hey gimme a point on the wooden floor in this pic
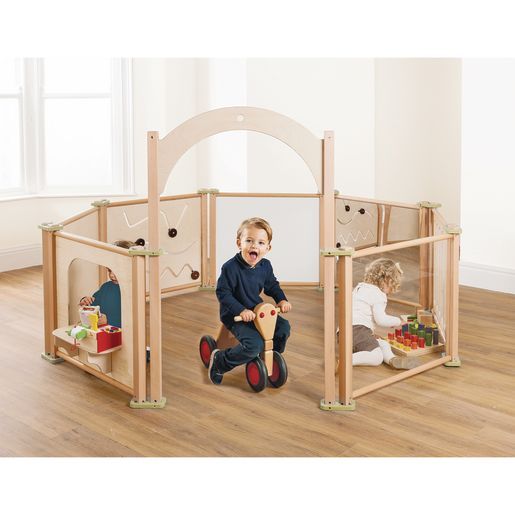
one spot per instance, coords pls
(58, 410)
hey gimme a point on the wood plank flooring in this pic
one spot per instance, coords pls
(58, 410)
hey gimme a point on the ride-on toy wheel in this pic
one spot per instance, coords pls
(279, 373)
(206, 346)
(256, 374)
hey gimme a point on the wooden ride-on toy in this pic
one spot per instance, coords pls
(270, 367)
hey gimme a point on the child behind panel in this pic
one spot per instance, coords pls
(107, 297)
(369, 298)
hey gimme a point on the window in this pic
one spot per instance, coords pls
(64, 127)
(11, 136)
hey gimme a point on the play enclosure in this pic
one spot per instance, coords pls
(186, 240)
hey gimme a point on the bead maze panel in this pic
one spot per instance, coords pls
(401, 224)
(179, 236)
(181, 239)
(357, 223)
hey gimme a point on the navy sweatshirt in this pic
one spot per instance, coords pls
(240, 285)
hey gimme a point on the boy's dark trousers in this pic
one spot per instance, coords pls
(250, 344)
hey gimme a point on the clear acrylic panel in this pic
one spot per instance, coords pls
(10, 163)
(9, 75)
(423, 291)
(77, 75)
(78, 142)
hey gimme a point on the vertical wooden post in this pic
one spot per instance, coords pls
(453, 256)
(212, 238)
(386, 224)
(424, 258)
(49, 288)
(345, 324)
(204, 234)
(380, 221)
(154, 270)
(102, 236)
(329, 268)
(426, 228)
(321, 259)
(138, 329)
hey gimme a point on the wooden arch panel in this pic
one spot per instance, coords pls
(296, 136)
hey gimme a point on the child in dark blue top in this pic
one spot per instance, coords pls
(238, 289)
(107, 297)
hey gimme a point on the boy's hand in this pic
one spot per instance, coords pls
(247, 315)
(86, 301)
(284, 306)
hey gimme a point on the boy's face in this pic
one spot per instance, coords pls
(254, 245)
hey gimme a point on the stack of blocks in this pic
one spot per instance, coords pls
(418, 335)
(98, 338)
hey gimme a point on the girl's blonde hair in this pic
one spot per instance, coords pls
(384, 272)
(255, 222)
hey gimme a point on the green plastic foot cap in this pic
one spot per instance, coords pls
(453, 363)
(51, 359)
(148, 404)
(337, 406)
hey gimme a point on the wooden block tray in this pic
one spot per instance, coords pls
(418, 352)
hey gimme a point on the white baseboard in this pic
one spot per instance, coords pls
(487, 277)
(20, 257)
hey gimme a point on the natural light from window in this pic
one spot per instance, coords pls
(64, 127)
(10, 127)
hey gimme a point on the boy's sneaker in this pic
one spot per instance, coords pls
(214, 375)
(404, 362)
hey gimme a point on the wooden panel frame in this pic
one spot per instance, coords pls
(49, 290)
(156, 365)
(345, 335)
(69, 248)
(328, 241)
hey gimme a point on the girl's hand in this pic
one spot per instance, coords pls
(86, 301)
(247, 315)
(284, 306)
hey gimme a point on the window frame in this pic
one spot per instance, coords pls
(32, 108)
(20, 190)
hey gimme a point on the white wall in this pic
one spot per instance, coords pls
(417, 132)
(222, 159)
(164, 95)
(397, 123)
(488, 174)
(321, 94)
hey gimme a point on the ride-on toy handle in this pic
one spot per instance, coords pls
(266, 318)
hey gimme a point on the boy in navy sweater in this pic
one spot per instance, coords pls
(241, 281)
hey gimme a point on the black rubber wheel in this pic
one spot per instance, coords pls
(206, 346)
(279, 373)
(256, 374)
